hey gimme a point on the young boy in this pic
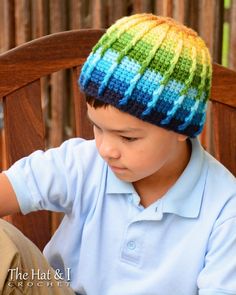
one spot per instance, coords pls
(147, 210)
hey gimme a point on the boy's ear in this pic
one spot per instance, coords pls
(182, 137)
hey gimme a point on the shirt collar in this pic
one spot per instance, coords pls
(184, 198)
(117, 186)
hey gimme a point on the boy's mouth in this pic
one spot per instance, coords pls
(117, 169)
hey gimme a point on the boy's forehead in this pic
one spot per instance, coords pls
(112, 119)
(110, 116)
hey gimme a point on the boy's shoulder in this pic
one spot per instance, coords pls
(219, 191)
(219, 176)
(78, 151)
(79, 147)
(78, 142)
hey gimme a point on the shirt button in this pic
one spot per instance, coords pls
(130, 198)
(131, 245)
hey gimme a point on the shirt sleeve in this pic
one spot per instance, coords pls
(47, 180)
(218, 276)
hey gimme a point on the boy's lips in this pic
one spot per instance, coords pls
(117, 168)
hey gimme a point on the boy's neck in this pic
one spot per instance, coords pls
(155, 186)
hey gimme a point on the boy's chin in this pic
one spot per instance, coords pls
(126, 177)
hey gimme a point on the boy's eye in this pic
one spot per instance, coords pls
(130, 139)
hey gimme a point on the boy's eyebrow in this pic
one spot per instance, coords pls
(128, 129)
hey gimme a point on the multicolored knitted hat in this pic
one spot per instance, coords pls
(153, 68)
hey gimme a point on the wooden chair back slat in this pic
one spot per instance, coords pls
(82, 126)
(24, 132)
(223, 109)
(36, 226)
(44, 56)
(23, 122)
(2, 154)
(224, 126)
(22, 68)
(223, 85)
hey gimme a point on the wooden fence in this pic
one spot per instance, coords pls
(24, 20)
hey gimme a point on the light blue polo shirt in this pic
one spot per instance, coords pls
(182, 244)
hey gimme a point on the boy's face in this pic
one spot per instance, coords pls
(133, 149)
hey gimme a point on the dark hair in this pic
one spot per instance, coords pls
(95, 103)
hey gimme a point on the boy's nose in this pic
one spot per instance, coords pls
(108, 150)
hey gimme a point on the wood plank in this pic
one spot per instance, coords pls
(218, 30)
(40, 27)
(206, 137)
(2, 26)
(56, 219)
(179, 11)
(85, 13)
(3, 160)
(58, 23)
(50, 221)
(36, 226)
(2, 142)
(224, 126)
(40, 18)
(207, 22)
(99, 13)
(23, 105)
(167, 8)
(76, 21)
(1, 150)
(232, 55)
(206, 27)
(158, 7)
(192, 14)
(83, 127)
(223, 85)
(58, 17)
(22, 21)
(58, 80)
(140, 6)
(15, 64)
(8, 24)
(211, 26)
(58, 104)
(116, 10)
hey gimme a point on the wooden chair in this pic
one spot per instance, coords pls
(223, 113)
(21, 70)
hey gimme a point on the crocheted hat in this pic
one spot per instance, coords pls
(153, 68)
